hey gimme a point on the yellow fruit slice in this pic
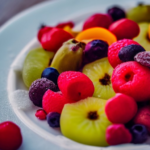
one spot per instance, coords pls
(100, 72)
(96, 33)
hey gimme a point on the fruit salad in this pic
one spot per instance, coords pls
(94, 84)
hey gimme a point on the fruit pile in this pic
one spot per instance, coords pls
(94, 84)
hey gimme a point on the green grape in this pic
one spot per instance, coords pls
(35, 62)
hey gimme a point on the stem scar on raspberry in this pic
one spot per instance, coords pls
(105, 80)
(128, 77)
(93, 115)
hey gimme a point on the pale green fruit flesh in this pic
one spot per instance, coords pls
(66, 59)
(99, 71)
(139, 13)
(142, 38)
(35, 62)
(76, 124)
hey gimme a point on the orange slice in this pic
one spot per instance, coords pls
(96, 33)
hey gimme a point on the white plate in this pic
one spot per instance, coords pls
(71, 10)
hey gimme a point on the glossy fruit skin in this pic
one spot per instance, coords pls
(64, 24)
(51, 74)
(53, 119)
(10, 136)
(143, 58)
(38, 88)
(52, 41)
(143, 117)
(40, 114)
(139, 133)
(118, 134)
(76, 124)
(94, 50)
(34, 64)
(128, 52)
(121, 108)
(124, 29)
(132, 79)
(69, 56)
(43, 30)
(114, 49)
(98, 20)
(75, 85)
(116, 13)
(96, 33)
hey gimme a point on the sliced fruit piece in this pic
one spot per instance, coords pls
(35, 62)
(140, 13)
(142, 38)
(85, 121)
(100, 72)
(96, 33)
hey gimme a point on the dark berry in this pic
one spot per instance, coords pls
(40, 114)
(53, 119)
(116, 13)
(127, 53)
(94, 50)
(51, 74)
(38, 88)
(139, 133)
(143, 58)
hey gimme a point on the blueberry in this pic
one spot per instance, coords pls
(38, 88)
(53, 119)
(94, 50)
(139, 133)
(51, 74)
(116, 13)
(128, 52)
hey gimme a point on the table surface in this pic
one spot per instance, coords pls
(9, 8)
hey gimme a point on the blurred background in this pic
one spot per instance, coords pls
(9, 8)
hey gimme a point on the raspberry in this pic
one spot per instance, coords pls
(54, 101)
(120, 105)
(38, 88)
(40, 114)
(75, 85)
(118, 134)
(132, 79)
(97, 20)
(10, 136)
(143, 58)
(114, 49)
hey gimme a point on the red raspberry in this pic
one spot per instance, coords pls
(10, 136)
(121, 108)
(40, 114)
(63, 24)
(114, 49)
(54, 101)
(75, 85)
(53, 39)
(133, 79)
(98, 20)
(118, 134)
